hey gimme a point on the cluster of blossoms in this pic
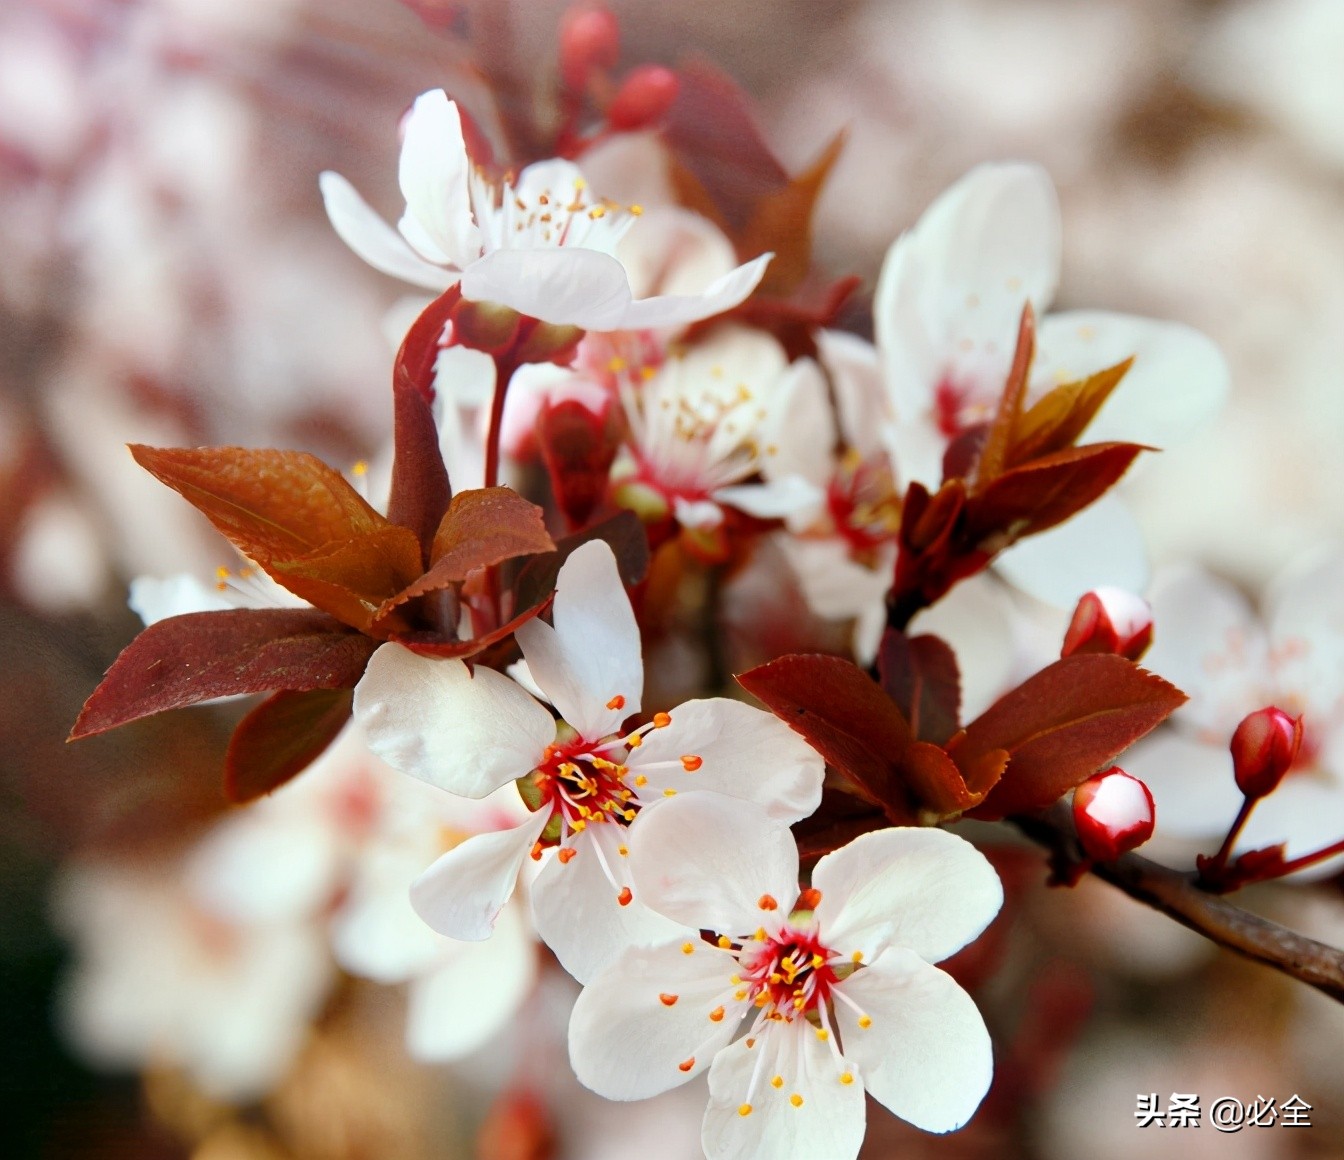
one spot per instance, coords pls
(696, 414)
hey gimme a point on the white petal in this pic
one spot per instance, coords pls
(834, 586)
(577, 912)
(789, 495)
(625, 1042)
(1194, 794)
(474, 995)
(153, 599)
(744, 753)
(700, 513)
(799, 434)
(709, 861)
(1100, 546)
(462, 893)
(590, 664)
(926, 1055)
(568, 285)
(376, 933)
(673, 251)
(922, 889)
(433, 177)
(436, 720)
(1179, 379)
(860, 393)
(668, 310)
(1306, 625)
(829, 1121)
(975, 618)
(373, 239)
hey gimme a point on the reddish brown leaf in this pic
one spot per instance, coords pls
(280, 738)
(187, 659)
(353, 579)
(577, 448)
(623, 533)
(1059, 417)
(999, 440)
(436, 646)
(420, 491)
(413, 368)
(920, 674)
(937, 784)
(484, 527)
(1045, 492)
(843, 715)
(1062, 725)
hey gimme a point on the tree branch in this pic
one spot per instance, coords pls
(1176, 895)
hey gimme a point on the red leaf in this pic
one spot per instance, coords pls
(1062, 725)
(1059, 417)
(920, 674)
(999, 439)
(352, 579)
(577, 448)
(187, 659)
(280, 738)
(429, 645)
(1038, 495)
(484, 527)
(843, 715)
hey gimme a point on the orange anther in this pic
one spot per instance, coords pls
(716, 1016)
(536, 851)
(767, 902)
(625, 896)
(686, 1064)
(565, 853)
(668, 1000)
(617, 702)
(690, 762)
(808, 899)
(662, 720)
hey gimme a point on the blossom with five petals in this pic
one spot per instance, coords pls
(591, 787)
(543, 246)
(834, 984)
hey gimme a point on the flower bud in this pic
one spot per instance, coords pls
(1110, 620)
(644, 98)
(590, 39)
(1113, 813)
(1264, 747)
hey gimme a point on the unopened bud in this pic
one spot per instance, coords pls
(590, 39)
(1113, 813)
(1264, 747)
(644, 98)
(1110, 620)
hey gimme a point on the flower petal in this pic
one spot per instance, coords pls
(674, 251)
(626, 1041)
(153, 599)
(799, 434)
(373, 239)
(926, 1055)
(576, 907)
(436, 720)
(811, 1114)
(590, 664)
(1306, 625)
(462, 893)
(861, 398)
(1179, 379)
(923, 889)
(789, 495)
(1102, 545)
(433, 176)
(1194, 794)
(474, 994)
(709, 861)
(744, 753)
(669, 310)
(567, 285)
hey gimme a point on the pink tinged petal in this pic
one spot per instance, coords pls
(922, 889)
(812, 1113)
(776, 499)
(474, 995)
(1178, 382)
(860, 394)
(567, 286)
(468, 733)
(1306, 628)
(674, 251)
(743, 753)
(1101, 546)
(590, 665)
(462, 893)
(668, 310)
(433, 177)
(711, 862)
(926, 1054)
(577, 908)
(374, 240)
(1208, 641)
(628, 1042)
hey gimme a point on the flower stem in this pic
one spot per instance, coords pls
(1213, 870)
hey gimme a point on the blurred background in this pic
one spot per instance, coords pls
(168, 277)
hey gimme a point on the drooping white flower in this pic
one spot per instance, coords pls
(834, 986)
(590, 785)
(543, 246)
(946, 314)
(1210, 641)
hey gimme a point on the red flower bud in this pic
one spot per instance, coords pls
(1113, 813)
(590, 39)
(644, 98)
(1264, 747)
(1110, 620)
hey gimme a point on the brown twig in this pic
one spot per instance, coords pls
(1176, 895)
